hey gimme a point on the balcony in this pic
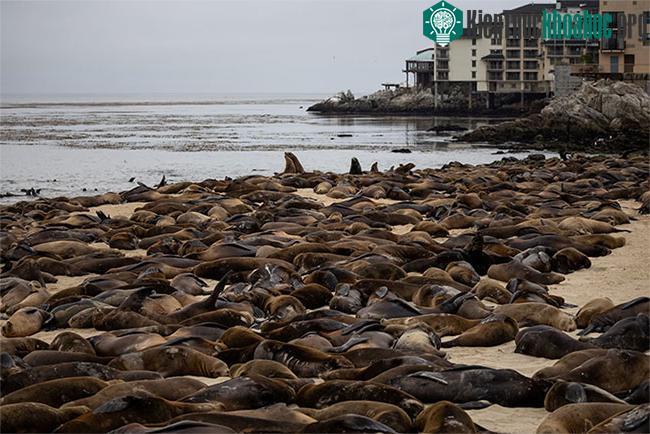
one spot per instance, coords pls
(513, 65)
(495, 66)
(443, 65)
(531, 53)
(531, 65)
(513, 54)
(613, 45)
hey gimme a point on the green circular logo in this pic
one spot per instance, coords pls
(443, 23)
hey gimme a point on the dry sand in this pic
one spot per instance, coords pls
(621, 276)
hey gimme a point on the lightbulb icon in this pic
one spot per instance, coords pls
(442, 22)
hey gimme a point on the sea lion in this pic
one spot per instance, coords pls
(25, 322)
(52, 357)
(172, 389)
(69, 341)
(563, 393)
(36, 417)
(568, 362)
(517, 270)
(140, 407)
(443, 417)
(632, 333)
(579, 418)
(527, 314)
(444, 324)
(303, 361)
(331, 392)
(70, 369)
(266, 368)
(569, 260)
(108, 344)
(603, 321)
(546, 341)
(492, 290)
(171, 361)
(419, 338)
(388, 414)
(56, 392)
(505, 387)
(634, 420)
(614, 370)
(21, 346)
(494, 330)
(594, 307)
(247, 392)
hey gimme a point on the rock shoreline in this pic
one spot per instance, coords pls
(604, 116)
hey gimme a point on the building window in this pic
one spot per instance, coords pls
(473, 51)
(473, 63)
(473, 74)
(473, 41)
(512, 76)
(628, 60)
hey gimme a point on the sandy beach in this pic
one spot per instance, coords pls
(621, 276)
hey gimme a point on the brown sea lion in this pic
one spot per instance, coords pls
(527, 314)
(266, 368)
(594, 307)
(494, 330)
(25, 322)
(444, 417)
(516, 270)
(563, 393)
(579, 418)
(36, 417)
(171, 361)
(444, 324)
(569, 260)
(21, 346)
(56, 392)
(603, 321)
(172, 389)
(348, 423)
(382, 412)
(69, 341)
(140, 407)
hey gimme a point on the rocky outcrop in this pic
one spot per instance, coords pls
(601, 116)
(453, 99)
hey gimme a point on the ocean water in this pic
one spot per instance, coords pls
(97, 145)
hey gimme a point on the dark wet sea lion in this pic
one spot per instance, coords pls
(334, 391)
(632, 333)
(247, 392)
(171, 361)
(172, 389)
(388, 414)
(636, 420)
(303, 361)
(108, 344)
(505, 387)
(579, 418)
(563, 393)
(604, 320)
(36, 417)
(140, 407)
(494, 330)
(546, 341)
(266, 368)
(185, 426)
(443, 417)
(56, 392)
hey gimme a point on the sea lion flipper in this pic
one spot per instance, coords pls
(634, 302)
(430, 376)
(475, 405)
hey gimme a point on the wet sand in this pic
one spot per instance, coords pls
(621, 276)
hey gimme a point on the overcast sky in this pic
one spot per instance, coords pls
(209, 47)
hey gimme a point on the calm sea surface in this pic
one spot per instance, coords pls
(64, 148)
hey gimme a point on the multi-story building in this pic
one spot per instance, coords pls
(521, 63)
(626, 52)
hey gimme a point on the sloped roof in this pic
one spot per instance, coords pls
(425, 55)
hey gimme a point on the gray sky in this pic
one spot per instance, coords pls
(209, 47)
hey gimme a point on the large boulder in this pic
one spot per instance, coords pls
(612, 114)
